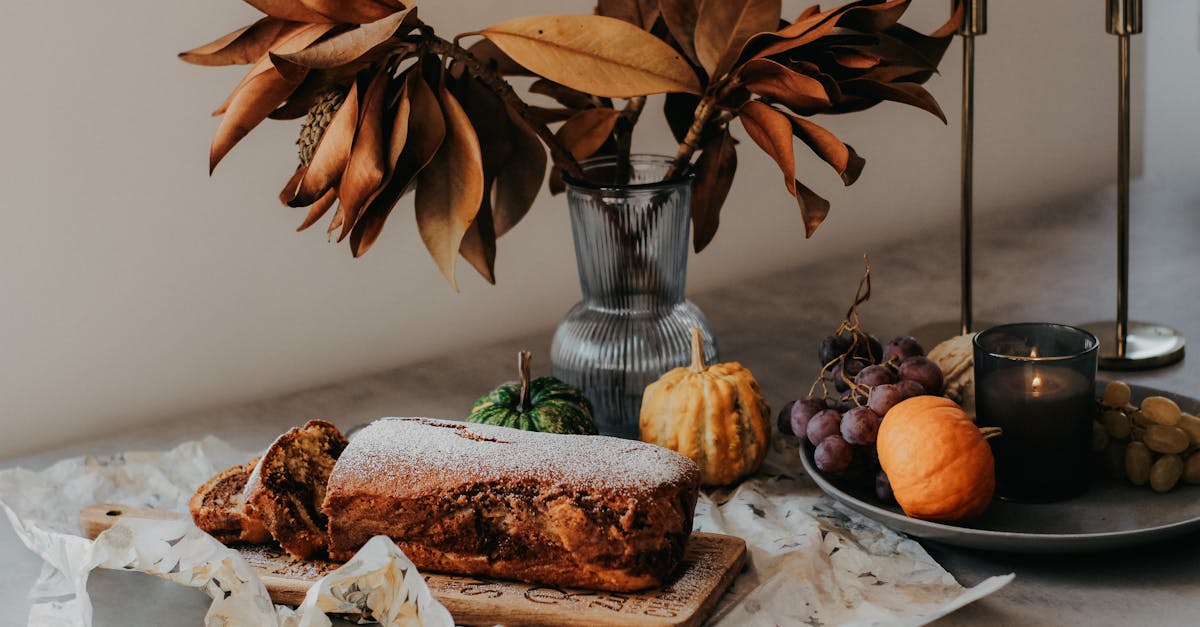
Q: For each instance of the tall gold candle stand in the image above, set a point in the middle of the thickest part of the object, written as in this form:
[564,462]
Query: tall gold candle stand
[1126,345]
[974,23]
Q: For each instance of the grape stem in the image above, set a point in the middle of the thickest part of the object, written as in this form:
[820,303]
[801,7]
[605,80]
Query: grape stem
[851,324]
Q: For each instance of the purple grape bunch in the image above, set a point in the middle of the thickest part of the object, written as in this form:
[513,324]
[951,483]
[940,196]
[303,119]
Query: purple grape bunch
[868,379]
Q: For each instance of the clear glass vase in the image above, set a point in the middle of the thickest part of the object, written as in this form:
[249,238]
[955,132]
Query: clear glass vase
[633,324]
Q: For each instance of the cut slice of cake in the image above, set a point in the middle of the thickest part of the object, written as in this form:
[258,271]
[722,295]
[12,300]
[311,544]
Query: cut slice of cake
[286,489]
[218,508]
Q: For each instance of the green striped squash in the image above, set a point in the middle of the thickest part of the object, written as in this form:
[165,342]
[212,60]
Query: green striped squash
[544,404]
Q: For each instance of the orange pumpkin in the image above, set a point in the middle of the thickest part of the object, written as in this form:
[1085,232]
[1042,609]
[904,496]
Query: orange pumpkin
[715,415]
[938,462]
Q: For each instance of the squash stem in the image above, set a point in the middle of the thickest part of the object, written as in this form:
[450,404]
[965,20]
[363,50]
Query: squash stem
[524,365]
[990,432]
[697,350]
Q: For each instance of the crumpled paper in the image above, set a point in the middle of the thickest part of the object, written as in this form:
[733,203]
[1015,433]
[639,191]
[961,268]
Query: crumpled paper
[812,561]
[816,562]
[379,583]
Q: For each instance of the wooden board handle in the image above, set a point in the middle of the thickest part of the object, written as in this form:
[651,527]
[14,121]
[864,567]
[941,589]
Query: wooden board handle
[94,519]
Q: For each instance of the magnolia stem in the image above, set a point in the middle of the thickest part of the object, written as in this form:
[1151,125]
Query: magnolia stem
[623,133]
[691,142]
[496,83]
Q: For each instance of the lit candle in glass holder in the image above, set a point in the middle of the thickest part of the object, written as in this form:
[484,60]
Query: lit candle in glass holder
[1036,381]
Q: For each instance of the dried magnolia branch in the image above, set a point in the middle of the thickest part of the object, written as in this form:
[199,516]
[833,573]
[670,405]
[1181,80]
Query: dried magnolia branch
[374,132]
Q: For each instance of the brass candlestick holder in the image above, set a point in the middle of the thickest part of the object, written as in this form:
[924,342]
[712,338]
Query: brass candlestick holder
[974,23]
[1126,345]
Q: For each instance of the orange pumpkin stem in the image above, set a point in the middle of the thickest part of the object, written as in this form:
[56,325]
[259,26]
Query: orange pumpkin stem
[697,350]
[990,432]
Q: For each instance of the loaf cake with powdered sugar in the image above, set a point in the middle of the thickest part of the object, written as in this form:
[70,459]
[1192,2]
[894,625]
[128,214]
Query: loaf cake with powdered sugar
[567,510]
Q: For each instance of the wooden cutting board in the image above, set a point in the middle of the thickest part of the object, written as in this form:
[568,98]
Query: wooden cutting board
[710,563]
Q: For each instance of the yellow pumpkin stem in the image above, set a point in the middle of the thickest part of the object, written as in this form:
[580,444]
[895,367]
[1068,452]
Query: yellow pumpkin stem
[697,350]
[524,365]
[990,432]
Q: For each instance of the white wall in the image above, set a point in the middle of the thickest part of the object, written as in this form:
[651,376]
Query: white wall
[135,287]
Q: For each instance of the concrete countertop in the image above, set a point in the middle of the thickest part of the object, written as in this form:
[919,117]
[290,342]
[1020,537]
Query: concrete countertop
[1054,262]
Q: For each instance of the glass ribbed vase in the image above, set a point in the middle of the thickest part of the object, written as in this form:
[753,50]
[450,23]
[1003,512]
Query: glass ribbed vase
[634,322]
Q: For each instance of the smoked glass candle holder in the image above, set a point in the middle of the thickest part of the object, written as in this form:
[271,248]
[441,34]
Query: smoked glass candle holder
[1036,381]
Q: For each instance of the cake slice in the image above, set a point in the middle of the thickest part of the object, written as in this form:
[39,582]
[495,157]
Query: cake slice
[218,508]
[287,487]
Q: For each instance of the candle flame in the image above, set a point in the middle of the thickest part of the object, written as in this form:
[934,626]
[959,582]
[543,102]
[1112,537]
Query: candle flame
[1033,352]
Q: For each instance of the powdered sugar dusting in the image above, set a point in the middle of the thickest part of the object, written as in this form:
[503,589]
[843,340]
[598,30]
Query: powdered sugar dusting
[396,450]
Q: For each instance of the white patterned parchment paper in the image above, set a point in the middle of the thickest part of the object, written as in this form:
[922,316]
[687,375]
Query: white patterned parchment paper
[380,583]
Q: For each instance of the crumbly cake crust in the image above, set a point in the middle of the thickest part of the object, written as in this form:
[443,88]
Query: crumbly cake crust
[586,511]
[217,507]
[287,487]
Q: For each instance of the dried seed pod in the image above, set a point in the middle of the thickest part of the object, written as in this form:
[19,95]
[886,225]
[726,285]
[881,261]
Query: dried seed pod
[1137,463]
[1165,473]
[318,120]
[1166,440]
[1161,410]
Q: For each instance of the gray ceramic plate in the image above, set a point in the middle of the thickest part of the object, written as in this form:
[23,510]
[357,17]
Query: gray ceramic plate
[1111,514]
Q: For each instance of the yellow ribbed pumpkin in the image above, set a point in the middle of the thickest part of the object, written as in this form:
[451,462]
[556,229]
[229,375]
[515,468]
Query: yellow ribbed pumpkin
[714,415]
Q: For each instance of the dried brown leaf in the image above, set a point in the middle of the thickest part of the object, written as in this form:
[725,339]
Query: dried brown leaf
[586,131]
[450,188]
[777,83]
[244,46]
[424,130]
[293,10]
[855,60]
[772,131]
[906,93]
[714,176]
[874,18]
[813,208]
[249,106]
[331,154]
[366,229]
[314,86]
[829,148]
[318,209]
[355,43]
[724,26]
[291,38]
[594,54]
[514,165]
[479,243]
[680,17]
[518,181]
[368,164]
[640,13]
[328,11]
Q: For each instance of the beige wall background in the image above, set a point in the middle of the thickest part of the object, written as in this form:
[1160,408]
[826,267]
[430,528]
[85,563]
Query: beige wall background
[135,287]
